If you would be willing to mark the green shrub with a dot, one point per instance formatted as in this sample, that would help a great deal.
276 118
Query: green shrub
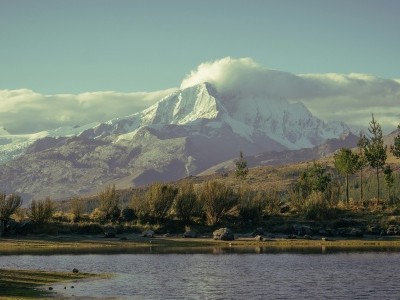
316 207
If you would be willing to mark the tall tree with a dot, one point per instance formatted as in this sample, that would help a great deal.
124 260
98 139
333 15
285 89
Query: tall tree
241 167
361 163
8 205
346 163
375 150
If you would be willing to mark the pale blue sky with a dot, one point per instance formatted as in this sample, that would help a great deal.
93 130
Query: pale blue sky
75 46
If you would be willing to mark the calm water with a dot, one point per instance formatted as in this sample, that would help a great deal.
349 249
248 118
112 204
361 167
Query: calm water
366 275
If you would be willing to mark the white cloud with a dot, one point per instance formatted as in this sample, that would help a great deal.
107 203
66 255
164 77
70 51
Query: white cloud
351 98
24 111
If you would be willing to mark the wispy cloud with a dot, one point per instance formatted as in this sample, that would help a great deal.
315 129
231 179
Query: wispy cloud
351 98
25 111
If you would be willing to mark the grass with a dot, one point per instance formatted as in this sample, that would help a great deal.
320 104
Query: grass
28 284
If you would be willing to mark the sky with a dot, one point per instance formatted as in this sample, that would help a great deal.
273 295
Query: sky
53 50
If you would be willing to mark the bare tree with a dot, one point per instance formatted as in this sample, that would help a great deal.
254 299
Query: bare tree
8 205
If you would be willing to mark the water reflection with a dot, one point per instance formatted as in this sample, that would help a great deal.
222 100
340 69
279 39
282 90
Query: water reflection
202 250
226 273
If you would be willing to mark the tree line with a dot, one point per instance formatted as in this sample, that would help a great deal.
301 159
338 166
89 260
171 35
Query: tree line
315 194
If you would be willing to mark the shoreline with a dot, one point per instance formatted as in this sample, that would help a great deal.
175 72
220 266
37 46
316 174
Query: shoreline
30 284
132 243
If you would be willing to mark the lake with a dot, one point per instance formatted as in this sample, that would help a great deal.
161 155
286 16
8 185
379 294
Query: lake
220 274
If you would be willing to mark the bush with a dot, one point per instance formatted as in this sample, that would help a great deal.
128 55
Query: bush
186 204
41 211
128 215
316 207
109 201
217 200
251 205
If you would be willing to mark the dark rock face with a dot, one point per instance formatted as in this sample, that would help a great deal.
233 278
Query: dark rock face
75 270
223 234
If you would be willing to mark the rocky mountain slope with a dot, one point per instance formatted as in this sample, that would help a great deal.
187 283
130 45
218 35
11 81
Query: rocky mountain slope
184 134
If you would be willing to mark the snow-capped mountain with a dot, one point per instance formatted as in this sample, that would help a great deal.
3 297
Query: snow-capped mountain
201 107
183 134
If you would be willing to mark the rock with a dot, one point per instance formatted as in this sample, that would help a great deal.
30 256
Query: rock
50 288
224 234
324 239
307 237
75 270
148 233
190 234
124 238
291 236
259 238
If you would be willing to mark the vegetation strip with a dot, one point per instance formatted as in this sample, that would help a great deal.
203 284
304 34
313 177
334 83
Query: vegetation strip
20 284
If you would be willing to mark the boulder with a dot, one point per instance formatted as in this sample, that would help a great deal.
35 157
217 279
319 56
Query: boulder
259 238
148 233
190 234
75 270
223 234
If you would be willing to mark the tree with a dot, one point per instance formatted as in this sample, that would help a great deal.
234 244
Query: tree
395 148
361 163
389 179
346 163
159 199
314 178
375 150
241 167
217 200
109 201
185 204
77 208
8 205
41 211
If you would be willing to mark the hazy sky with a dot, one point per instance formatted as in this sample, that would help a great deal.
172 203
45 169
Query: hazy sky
57 56
75 46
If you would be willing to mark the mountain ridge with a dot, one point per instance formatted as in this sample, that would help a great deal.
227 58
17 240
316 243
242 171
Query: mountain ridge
183 134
